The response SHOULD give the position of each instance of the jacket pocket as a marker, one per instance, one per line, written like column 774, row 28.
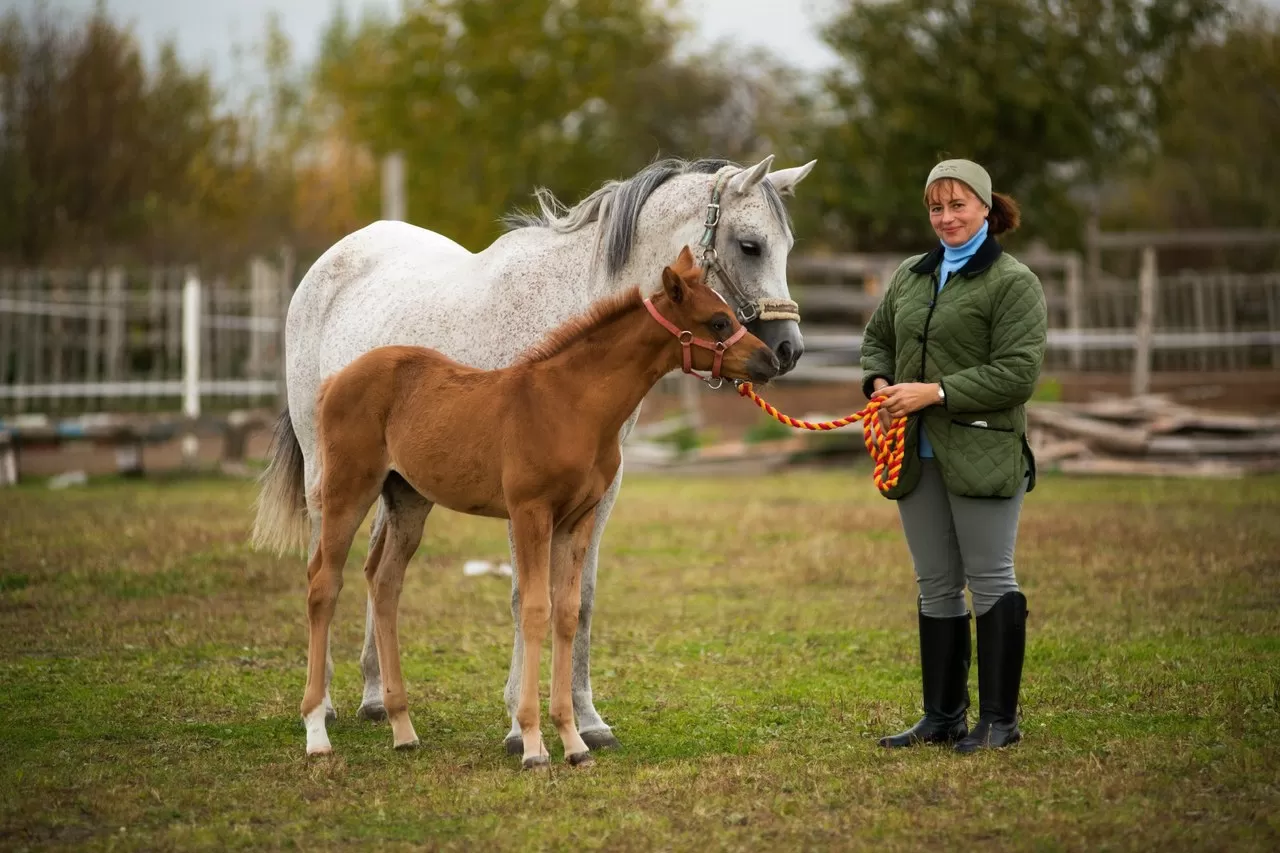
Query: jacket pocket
column 986, row 460
column 981, row 424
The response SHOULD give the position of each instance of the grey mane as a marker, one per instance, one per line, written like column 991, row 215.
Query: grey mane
column 616, row 205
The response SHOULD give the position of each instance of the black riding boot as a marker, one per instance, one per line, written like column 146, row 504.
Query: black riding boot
column 944, row 671
column 1002, row 641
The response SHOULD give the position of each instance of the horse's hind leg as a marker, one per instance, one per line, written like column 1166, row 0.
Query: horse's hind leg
column 371, row 707
column 346, row 500
column 406, row 514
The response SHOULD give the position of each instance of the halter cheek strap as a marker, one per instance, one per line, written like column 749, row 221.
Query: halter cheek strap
column 687, row 340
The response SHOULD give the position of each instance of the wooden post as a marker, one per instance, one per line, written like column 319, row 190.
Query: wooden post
column 393, row 206
column 1272, row 286
column 1093, row 251
column 1075, row 309
column 1145, row 325
column 93, row 341
column 8, row 460
column 191, row 297
column 9, row 323
column 113, row 362
column 691, row 405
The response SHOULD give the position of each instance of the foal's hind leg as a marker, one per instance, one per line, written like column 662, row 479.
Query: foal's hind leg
column 406, row 514
column 345, row 503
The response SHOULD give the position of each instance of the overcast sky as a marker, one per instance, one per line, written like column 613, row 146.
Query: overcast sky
column 205, row 29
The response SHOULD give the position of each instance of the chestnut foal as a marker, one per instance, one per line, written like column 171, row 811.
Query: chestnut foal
column 535, row 442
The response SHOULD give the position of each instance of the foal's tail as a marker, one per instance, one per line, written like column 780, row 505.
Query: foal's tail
column 281, row 523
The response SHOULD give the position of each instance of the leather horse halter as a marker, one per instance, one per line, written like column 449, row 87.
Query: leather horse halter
column 687, row 340
column 764, row 308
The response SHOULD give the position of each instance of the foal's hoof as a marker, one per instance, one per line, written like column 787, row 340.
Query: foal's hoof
column 514, row 745
column 376, row 713
column 537, row 762
column 407, row 745
column 317, row 751
column 580, row 759
column 598, row 739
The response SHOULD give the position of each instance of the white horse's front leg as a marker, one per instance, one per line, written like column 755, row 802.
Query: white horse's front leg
column 511, row 693
column 595, row 732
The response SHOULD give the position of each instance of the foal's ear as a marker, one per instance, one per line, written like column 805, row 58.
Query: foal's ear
column 673, row 285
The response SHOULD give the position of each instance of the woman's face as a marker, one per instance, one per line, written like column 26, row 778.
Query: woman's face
column 955, row 211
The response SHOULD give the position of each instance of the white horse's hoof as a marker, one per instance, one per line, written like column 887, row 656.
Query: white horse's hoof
column 370, row 711
column 598, row 739
column 324, row 749
column 514, row 745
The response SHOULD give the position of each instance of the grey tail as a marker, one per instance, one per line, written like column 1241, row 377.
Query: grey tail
column 281, row 523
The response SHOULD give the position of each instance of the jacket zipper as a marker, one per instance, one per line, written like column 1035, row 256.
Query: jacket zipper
column 924, row 335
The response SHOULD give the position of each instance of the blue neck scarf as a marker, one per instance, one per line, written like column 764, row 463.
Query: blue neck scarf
column 955, row 257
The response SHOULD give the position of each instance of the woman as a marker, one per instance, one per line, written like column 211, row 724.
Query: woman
column 957, row 344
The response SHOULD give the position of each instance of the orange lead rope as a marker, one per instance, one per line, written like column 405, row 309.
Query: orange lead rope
column 886, row 447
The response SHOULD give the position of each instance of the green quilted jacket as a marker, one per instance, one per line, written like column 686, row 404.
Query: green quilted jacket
column 983, row 339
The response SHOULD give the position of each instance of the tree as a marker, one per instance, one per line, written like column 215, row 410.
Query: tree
column 489, row 99
column 1215, row 165
column 1047, row 94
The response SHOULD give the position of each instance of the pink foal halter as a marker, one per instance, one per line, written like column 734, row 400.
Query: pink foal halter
column 687, row 339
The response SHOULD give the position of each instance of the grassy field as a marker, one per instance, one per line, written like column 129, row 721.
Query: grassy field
column 753, row 637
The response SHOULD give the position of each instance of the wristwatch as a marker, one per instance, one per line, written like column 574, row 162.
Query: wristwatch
column 942, row 394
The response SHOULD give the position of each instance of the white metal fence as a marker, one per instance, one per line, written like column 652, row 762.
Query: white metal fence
column 74, row 341
column 1174, row 322
column 177, row 339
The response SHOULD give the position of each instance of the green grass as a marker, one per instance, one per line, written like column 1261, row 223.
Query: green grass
column 753, row 637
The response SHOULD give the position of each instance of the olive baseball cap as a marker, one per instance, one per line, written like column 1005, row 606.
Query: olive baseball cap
column 966, row 172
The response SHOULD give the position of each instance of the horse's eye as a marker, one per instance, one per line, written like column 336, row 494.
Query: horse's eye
column 719, row 325
column 749, row 247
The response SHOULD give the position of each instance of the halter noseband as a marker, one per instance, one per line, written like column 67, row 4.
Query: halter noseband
column 765, row 308
column 687, row 339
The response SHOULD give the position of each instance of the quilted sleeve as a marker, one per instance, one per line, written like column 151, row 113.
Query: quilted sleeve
column 878, row 343
column 1018, row 329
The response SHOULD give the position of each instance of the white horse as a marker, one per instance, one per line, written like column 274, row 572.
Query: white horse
column 394, row 283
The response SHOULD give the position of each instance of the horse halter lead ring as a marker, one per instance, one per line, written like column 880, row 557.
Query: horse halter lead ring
column 687, row 340
column 764, row 308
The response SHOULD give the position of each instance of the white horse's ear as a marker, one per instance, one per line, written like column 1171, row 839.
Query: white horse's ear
column 785, row 180
column 745, row 180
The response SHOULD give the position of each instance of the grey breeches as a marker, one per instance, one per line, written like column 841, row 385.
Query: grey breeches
column 954, row 540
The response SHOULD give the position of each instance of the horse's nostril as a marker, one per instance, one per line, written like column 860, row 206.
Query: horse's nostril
column 784, row 352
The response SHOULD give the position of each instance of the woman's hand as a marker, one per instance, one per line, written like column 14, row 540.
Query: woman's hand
column 901, row 400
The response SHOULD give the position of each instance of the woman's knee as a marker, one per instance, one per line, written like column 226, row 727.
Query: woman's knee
column 988, row 588
column 941, row 602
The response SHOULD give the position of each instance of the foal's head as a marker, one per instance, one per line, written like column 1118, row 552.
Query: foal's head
column 688, row 303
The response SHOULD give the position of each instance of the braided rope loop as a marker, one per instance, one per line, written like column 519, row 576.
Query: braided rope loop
column 886, row 446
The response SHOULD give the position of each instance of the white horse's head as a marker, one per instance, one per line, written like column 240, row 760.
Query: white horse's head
column 733, row 217
column 744, row 240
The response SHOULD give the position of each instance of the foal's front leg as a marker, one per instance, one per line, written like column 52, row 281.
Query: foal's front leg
column 568, row 551
column 531, row 529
